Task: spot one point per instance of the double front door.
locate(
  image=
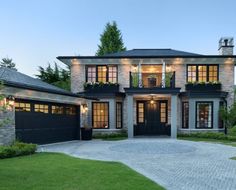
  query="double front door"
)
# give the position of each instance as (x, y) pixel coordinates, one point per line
(152, 118)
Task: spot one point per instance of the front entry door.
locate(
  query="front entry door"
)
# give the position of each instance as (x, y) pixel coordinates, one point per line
(152, 118)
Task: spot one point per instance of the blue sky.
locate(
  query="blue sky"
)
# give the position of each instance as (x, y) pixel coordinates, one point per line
(34, 32)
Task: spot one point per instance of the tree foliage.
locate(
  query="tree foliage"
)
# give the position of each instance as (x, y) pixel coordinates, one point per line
(7, 62)
(111, 40)
(228, 115)
(55, 76)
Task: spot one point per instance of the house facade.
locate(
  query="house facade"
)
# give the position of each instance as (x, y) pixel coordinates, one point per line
(154, 91)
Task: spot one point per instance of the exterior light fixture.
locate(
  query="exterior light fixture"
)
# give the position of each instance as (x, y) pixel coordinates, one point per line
(10, 102)
(84, 108)
(152, 101)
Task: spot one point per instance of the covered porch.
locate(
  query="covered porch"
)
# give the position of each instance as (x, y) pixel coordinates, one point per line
(152, 112)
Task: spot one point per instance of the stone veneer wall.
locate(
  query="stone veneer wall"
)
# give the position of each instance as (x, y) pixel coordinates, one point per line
(7, 132)
(77, 77)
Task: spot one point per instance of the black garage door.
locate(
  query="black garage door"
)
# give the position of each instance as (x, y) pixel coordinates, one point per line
(45, 122)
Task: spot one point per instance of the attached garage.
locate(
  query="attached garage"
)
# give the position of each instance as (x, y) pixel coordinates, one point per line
(45, 122)
(42, 113)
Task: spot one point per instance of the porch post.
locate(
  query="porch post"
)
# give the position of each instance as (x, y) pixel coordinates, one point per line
(130, 116)
(174, 116)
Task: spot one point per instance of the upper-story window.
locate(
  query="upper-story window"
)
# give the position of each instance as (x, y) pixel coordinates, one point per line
(101, 74)
(202, 73)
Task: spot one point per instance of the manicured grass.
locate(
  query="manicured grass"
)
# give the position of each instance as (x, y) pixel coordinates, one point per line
(234, 158)
(52, 171)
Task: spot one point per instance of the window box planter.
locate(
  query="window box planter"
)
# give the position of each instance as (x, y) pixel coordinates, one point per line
(86, 133)
(101, 87)
(203, 87)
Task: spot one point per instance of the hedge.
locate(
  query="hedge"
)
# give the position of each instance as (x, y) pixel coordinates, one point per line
(17, 149)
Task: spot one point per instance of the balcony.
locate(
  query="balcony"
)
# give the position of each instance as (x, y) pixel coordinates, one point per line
(152, 80)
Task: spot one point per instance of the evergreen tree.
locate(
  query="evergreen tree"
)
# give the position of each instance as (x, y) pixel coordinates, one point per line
(7, 62)
(111, 40)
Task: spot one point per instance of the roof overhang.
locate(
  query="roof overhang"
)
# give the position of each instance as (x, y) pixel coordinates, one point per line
(172, 91)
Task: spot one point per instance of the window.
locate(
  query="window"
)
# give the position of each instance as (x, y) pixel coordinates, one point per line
(140, 110)
(185, 115)
(163, 112)
(91, 74)
(112, 74)
(70, 110)
(57, 109)
(100, 115)
(41, 108)
(102, 73)
(192, 73)
(202, 73)
(204, 115)
(118, 115)
(20, 106)
(213, 73)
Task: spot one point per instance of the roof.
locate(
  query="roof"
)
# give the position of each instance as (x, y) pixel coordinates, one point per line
(152, 52)
(14, 78)
(147, 53)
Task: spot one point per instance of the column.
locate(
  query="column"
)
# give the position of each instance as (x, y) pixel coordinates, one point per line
(130, 116)
(173, 116)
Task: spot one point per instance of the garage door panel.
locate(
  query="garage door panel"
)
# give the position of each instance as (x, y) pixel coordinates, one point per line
(41, 128)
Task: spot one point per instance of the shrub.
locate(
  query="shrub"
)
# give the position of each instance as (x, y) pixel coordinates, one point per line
(109, 136)
(17, 149)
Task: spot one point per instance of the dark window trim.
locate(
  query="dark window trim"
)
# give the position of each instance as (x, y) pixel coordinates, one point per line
(206, 71)
(144, 112)
(108, 114)
(107, 71)
(212, 108)
(166, 102)
(183, 115)
(121, 104)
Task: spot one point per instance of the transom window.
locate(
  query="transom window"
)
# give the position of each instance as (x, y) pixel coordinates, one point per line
(25, 107)
(163, 112)
(100, 113)
(118, 115)
(57, 109)
(202, 73)
(101, 74)
(41, 108)
(70, 110)
(140, 110)
(204, 114)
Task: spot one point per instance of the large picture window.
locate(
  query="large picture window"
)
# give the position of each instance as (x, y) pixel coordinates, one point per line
(185, 115)
(202, 73)
(204, 115)
(100, 111)
(101, 74)
(118, 115)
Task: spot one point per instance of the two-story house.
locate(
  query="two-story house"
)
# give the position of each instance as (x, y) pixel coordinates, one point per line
(154, 91)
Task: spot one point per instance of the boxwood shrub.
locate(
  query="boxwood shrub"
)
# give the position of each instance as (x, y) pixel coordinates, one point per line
(210, 135)
(17, 149)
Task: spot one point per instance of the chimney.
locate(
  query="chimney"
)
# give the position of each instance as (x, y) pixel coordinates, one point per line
(226, 46)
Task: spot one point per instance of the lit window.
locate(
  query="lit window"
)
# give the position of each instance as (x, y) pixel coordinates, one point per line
(202, 73)
(213, 73)
(23, 107)
(91, 74)
(57, 109)
(100, 115)
(163, 112)
(41, 108)
(140, 112)
(112, 74)
(70, 110)
(192, 73)
(204, 114)
(102, 73)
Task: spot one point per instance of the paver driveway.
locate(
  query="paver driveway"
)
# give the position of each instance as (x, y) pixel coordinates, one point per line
(174, 164)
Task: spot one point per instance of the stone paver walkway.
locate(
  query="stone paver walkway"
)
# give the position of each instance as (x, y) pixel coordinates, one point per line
(174, 164)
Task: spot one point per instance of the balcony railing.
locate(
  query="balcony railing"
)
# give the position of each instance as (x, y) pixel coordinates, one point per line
(152, 80)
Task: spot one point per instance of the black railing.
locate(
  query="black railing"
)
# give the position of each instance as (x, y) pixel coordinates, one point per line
(152, 80)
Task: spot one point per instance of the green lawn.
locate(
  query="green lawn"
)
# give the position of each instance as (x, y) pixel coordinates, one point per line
(52, 171)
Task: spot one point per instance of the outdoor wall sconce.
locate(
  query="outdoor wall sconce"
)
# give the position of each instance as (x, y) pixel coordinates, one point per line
(10, 102)
(152, 101)
(84, 108)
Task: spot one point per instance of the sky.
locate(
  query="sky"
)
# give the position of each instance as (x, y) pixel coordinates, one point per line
(34, 32)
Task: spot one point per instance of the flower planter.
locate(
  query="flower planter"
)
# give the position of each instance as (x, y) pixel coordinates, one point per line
(86, 133)
(203, 87)
(102, 88)
(152, 82)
